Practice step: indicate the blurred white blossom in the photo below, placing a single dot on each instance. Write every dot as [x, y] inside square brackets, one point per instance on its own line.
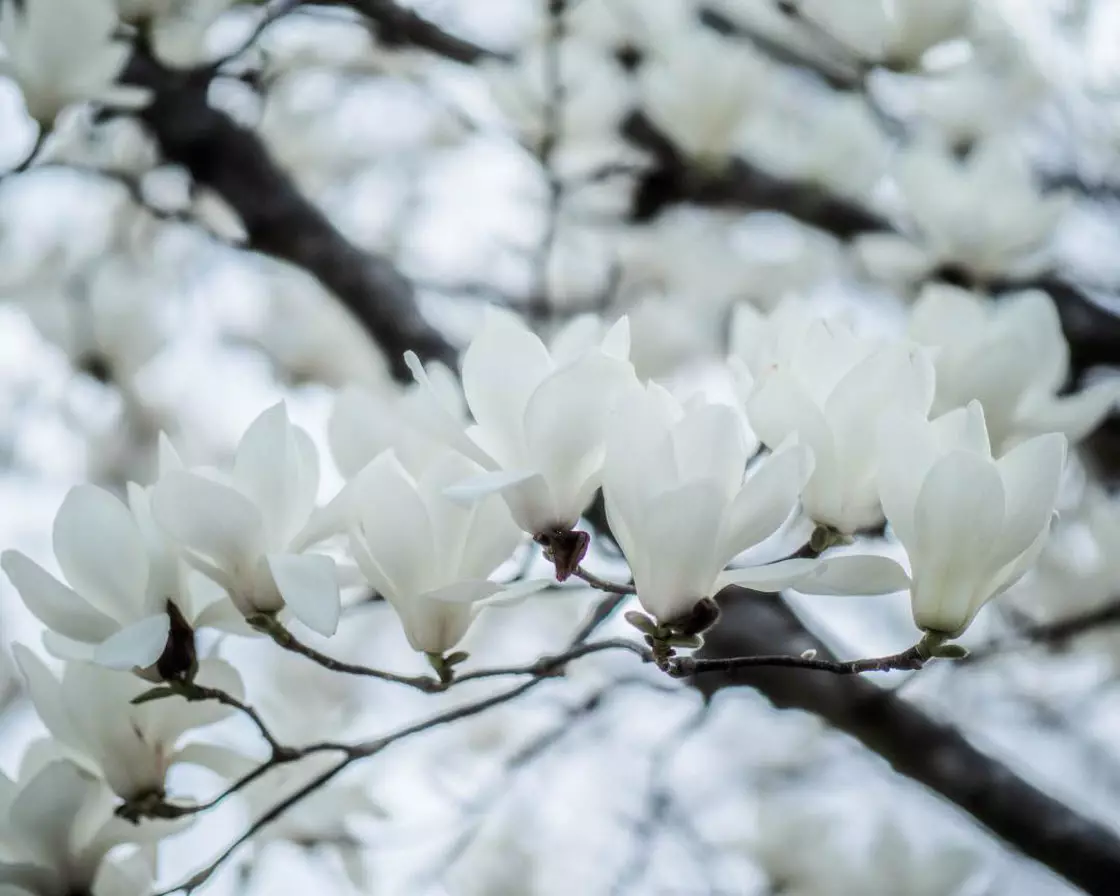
[1010, 355]
[60, 52]
[697, 91]
[984, 215]
[896, 33]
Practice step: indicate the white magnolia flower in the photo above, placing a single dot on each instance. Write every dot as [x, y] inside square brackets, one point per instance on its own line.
[90, 712]
[698, 89]
[680, 509]
[56, 830]
[428, 555]
[896, 33]
[817, 379]
[246, 531]
[125, 584]
[1012, 357]
[540, 422]
[971, 525]
[985, 214]
[60, 52]
[176, 30]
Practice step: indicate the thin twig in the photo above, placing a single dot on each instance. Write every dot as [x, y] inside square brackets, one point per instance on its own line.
[684, 666]
[594, 581]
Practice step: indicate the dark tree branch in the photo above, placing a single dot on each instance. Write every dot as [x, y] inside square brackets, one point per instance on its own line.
[280, 221]
[918, 746]
[397, 26]
[740, 184]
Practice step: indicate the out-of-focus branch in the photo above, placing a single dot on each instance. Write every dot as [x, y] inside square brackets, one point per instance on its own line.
[279, 220]
[931, 752]
[1051, 634]
[738, 184]
[397, 26]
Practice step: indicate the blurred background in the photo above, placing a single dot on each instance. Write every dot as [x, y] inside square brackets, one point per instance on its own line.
[318, 186]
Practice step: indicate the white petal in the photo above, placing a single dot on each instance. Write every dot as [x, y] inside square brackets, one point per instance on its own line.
[223, 760]
[677, 541]
[1075, 415]
[52, 603]
[45, 810]
[710, 443]
[907, 449]
[1031, 473]
[45, 693]
[139, 644]
[477, 487]
[278, 470]
[855, 574]
[308, 584]
[958, 520]
[213, 519]
[100, 550]
[771, 577]
[466, 592]
[501, 367]
[566, 420]
[766, 500]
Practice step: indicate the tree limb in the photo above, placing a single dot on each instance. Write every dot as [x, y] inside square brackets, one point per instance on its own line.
[931, 752]
[279, 220]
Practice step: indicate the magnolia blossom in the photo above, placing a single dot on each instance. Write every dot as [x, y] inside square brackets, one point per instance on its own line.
[985, 214]
[176, 30]
[429, 556]
[679, 506]
[60, 52]
[540, 421]
[127, 588]
[89, 711]
[971, 525]
[698, 89]
[894, 32]
[1012, 357]
[56, 830]
[245, 531]
[817, 379]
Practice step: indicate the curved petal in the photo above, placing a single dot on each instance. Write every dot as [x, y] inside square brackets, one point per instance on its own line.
[766, 500]
[501, 367]
[140, 644]
[396, 528]
[566, 417]
[279, 473]
[212, 519]
[710, 443]
[45, 693]
[677, 541]
[1031, 473]
[952, 558]
[100, 551]
[465, 592]
[1075, 415]
[309, 586]
[855, 574]
[52, 603]
[771, 577]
